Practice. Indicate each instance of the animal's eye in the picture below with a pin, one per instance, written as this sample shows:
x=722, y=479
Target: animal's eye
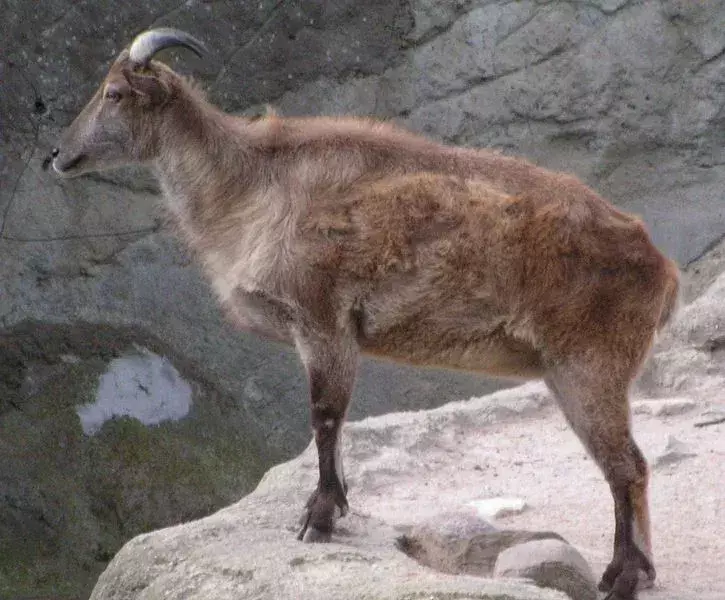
x=112, y=95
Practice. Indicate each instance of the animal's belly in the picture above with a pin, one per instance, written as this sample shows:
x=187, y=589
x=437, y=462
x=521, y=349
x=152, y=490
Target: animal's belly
x=468, y=345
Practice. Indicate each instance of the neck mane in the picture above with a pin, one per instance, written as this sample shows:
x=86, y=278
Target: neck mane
x=203, y=158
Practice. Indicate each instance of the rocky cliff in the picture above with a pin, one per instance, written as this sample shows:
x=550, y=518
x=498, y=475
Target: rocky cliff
x=625, y=93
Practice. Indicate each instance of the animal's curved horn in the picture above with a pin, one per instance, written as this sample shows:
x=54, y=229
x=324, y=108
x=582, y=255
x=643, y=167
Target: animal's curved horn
x=148, y=43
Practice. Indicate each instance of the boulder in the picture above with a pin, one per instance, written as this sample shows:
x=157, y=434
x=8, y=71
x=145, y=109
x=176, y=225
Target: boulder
x=466, y=551
x=244, y=553
x=550, y=563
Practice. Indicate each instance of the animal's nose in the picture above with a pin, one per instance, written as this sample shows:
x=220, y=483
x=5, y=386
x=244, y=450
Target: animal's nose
x=55, y=152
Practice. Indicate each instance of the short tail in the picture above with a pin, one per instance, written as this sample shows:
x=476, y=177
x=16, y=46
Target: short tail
x=672, y=293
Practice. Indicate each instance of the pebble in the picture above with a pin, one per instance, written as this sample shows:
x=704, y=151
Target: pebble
x=496, y=508
x=674, y=452
x=669, y=407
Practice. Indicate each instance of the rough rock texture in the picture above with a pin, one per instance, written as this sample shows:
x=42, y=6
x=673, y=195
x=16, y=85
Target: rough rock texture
x=79, y=476
x=664, y=408
x=249, y=550
x=96, y=249
x=550, y=563
x=690, y=357
x=269, y=563
x=673, y=452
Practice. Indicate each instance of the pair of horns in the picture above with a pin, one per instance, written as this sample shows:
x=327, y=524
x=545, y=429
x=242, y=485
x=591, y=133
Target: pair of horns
x=148, y=43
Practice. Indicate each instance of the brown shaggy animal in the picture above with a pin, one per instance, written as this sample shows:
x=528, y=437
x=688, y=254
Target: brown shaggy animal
x=349, y=236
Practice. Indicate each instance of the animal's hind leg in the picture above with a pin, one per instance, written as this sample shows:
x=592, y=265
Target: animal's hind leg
x=597, y=408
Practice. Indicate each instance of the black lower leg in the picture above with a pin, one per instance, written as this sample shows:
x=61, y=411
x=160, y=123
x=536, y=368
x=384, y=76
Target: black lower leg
x=615, y=566
x=330, y=493
x=622, y=575
x=326, y=424
x=330, y=361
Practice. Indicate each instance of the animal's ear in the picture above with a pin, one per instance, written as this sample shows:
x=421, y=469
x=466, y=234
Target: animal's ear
x=149, y=89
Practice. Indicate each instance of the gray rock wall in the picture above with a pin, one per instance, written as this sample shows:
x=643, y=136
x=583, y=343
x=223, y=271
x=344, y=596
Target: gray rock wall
x=625, y=94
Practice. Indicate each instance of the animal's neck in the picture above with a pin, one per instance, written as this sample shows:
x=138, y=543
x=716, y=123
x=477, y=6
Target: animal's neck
x=202, y=163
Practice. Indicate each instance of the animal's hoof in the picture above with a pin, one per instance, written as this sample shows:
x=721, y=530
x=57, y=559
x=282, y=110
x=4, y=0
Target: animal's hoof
x=313, y=534
x=323, y=508
x=609, y=577
x=622, y=579
x=625, y=584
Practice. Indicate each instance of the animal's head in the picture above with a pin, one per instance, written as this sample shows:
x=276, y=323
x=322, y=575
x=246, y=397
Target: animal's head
x=118, y=126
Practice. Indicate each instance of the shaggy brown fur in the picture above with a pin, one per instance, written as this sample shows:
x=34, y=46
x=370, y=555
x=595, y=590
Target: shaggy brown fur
x=345, y=236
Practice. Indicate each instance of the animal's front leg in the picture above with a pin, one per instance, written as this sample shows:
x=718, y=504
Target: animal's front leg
x=330, y=362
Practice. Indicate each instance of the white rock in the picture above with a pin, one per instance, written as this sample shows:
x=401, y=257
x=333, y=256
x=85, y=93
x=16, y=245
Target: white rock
x=144, y=386
x=496, y=508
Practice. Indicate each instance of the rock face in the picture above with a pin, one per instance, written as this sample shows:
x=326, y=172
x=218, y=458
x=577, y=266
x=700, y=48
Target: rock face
x=689, y=358
x=97, y=250
x=625, y=94
x=105, y=434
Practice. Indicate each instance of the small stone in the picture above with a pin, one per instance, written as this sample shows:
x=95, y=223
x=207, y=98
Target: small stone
x=669, y=407
x=496, y=508
x=674, y=452
x=713, y=413
x=70, y=359
x=672, y=407
x=550, y=563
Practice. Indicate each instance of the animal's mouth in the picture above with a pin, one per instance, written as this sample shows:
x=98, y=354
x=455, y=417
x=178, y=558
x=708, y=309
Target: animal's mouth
x=66, y=167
